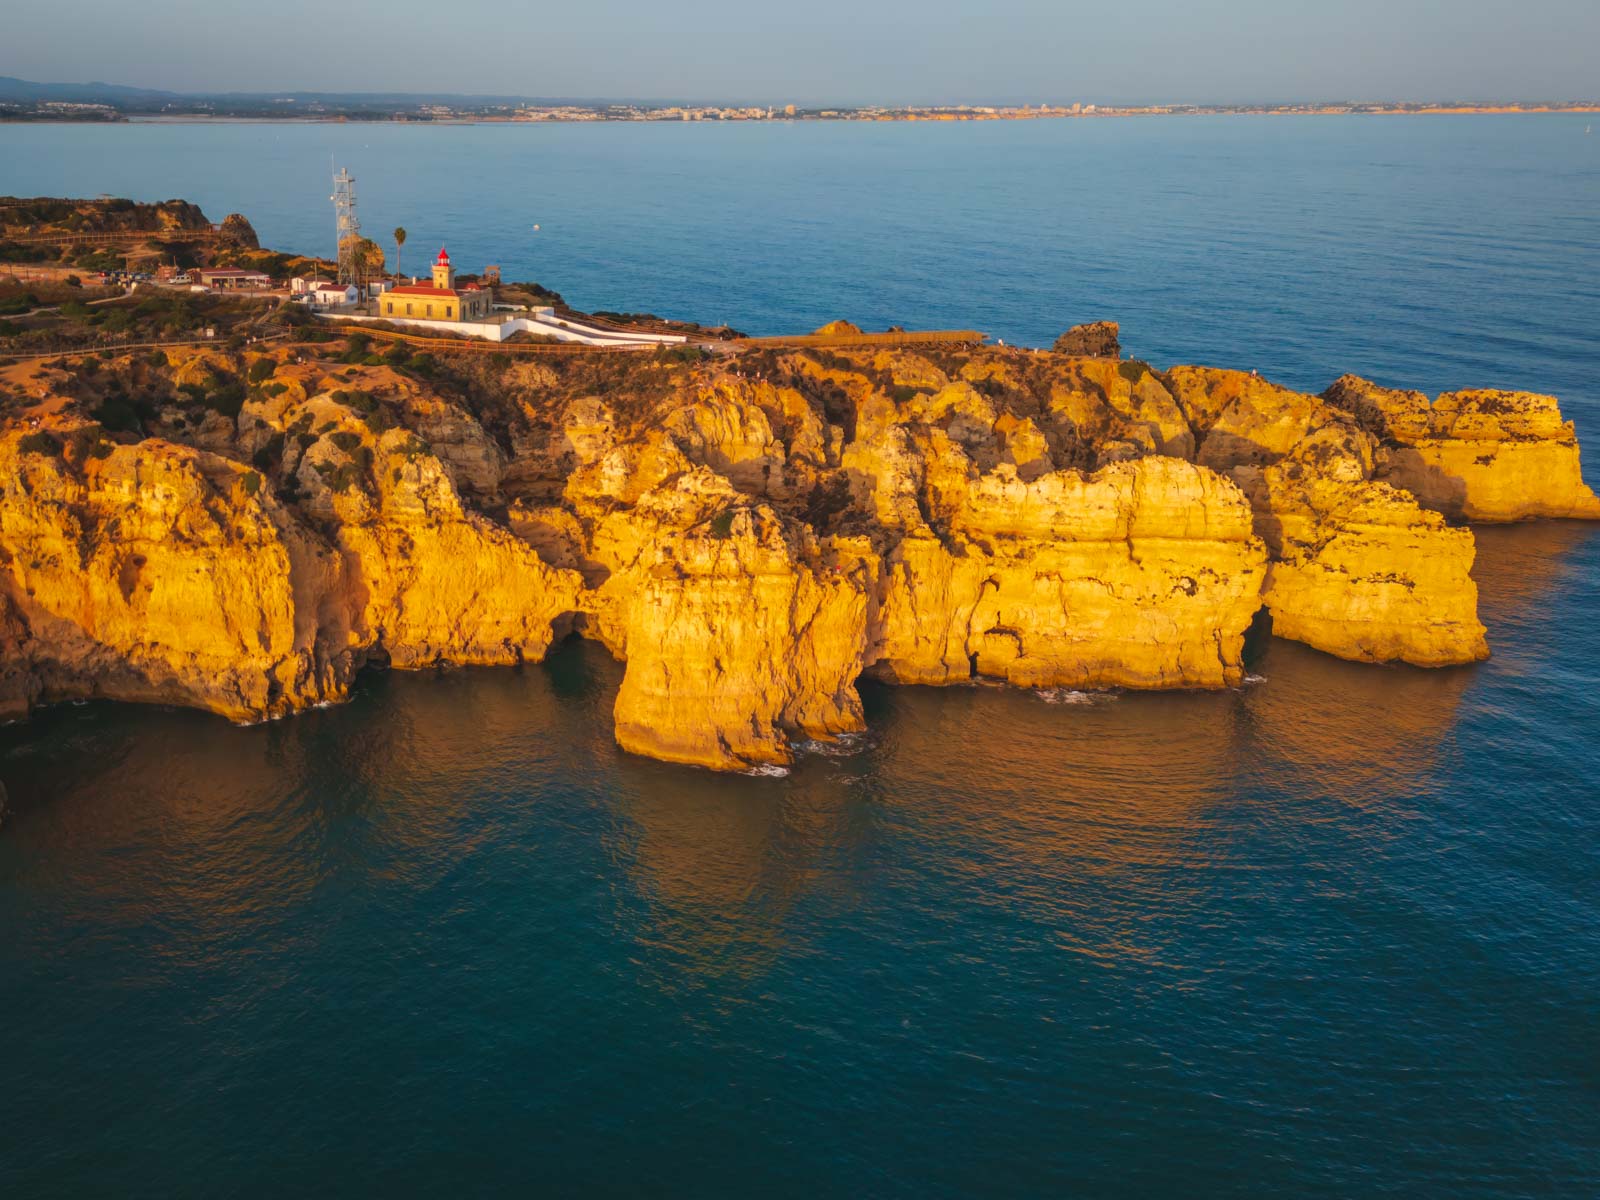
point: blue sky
(843, 51)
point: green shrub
(722, 524)
(226, 399)
(341, 478)
(251, 483)
(346, 440)
(119, 414)
(681, 354)
(40, 443)
(268, 454)
(1133, 370)
(261, 370)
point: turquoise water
(1335, 934)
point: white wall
(540, 323)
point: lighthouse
(441, 300)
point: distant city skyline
(831, 51)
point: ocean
(1335, 933)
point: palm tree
(399, 241)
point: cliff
(1475, 455)
(749, 535)
(48, 215)
(1359, 568)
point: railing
(666, 327)
(120, 347)
(845, 341)
(114, 237)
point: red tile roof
(420, 289)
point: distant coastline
(345, 119)
(94, 103)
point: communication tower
(347, 229)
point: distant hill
(25, 91)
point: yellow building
(440, 301)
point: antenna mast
(347, 229)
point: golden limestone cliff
(156, 572)
(1359, 568)
(161, 571)
(243, 532)
(1476, 455)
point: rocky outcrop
(237, 231)
(838, 329)
(1144, 574)
(1359, 568)
(42, 215)
(165, 572)
(748, 562)
(158, 572)
(1474, 455)
(750, 536)
(1099, 339)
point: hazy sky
(825, 50)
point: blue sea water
(1334, 934)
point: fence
(847, 341)
(114, 238)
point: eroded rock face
(1144, 574)
(1475, 455)
(236, 230)
(1098, 339)
(154, 572)
(1359, 568)
(916, 547)
(749, 536)
(166, 572)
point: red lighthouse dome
(444, 258)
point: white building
(331, 295)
